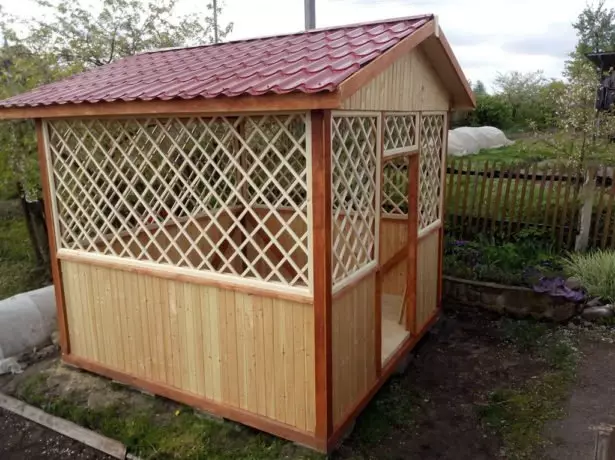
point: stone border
(513, 300)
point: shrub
(596, 272)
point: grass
(18, 268)
(528, 150)
(519, 415)
(160, 429)
(596, 271)
(393, 409)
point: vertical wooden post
(321, 269)
(445, 128)
(50, 218)
(413, 233)
(585, 218)
(379, 274)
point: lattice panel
(204, 193)
(353, 175)
(394, 198)
(400, 133)
(430, 169)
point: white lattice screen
(354, 157)
(430, 168)
(400, 133)
(394, 198)
(225, 194)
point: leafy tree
(491, 110)
(595, 28)
(581, 130)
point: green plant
(596, 272)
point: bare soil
(22, 439)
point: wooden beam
(213, 106)
(359, 79)
(56, 273)
(321, 267)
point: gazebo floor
(393, 333)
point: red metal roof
(307, 62)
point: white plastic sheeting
(466, 140)
(27, 320)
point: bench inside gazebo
(253, 228)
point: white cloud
(488, 36)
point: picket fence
(571, 205)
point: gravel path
(21, 439)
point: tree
(595, 28)
(581, 130)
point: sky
(487, 36)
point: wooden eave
(218, 105)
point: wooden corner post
(321, 268)
(50, 218)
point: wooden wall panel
(410, 83)
(246, 351)
(393, 237)
(427, 278)
(395, 280)
(353, 346)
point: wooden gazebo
(252, 228)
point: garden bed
(516, 301)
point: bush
(596, 272)
(491, 110)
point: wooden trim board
(64, 427)
(56, 273)
(412, 245)
(217, 105)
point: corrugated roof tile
(306, 62)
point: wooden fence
(572, 206)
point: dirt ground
(455, 367)
(22, 439)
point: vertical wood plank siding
(410, 83)
(353, 346)
(247, 351)
(427, 278)
(393, 237)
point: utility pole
(216, 38)
(310, 14)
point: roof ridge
(291, 34)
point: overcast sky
(488, 36)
